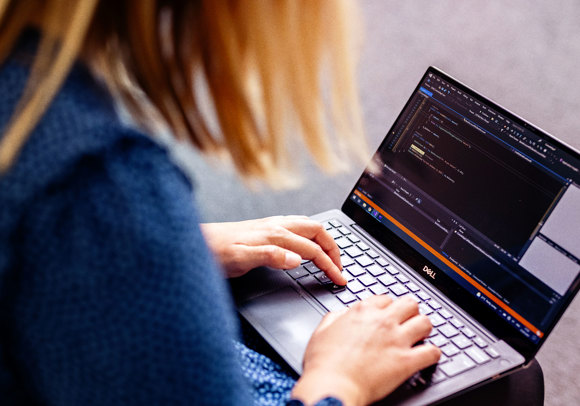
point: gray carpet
(523, 54)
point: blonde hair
(270, 69)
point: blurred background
(523, 54)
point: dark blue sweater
(108, 294)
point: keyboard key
(323, 295)
(375, 270)
(434, 305)
(334, 233)
(336, 288)
(353, 251)
(382, 262)
(468, 332)
(456, 322)
(363, 246)
(364, 294)
(310, 267)
(450, 350)
(353, 238)
(461, 341)
(446, 314)
(323, 278)
(355, 286)
(343, 243)
(348, 276)
(402, 278)
(477, 355)
(343, 230)
(297, 273)
(364, 261)
(367, 280)
(448, 330)
(412, 286)
(372, 254)
(310, 284)
(416, 381)
(345, 260)
(437, 376)
(346, 297)
(492, 352)
(335, 223)
(356, 270)
(479, 342)
(438, 340)
(424, 296)
(379, 289)
(392, 270)
(436, 320)
(457, 365)
(398, 289)
(330, 302)
(387, 280)
(424, 309)
(327, 226)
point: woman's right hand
(361, 355)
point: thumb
(330, 318)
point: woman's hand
(362, 354)
(278, 242)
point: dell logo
(429, 271)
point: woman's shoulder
(80, 137)
(80, 122)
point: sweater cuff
(329, 401)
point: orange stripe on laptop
(469, 279)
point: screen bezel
(444, 283)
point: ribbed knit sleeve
(114, 298)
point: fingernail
(292, 260)
(343, 279)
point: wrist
(314, 386)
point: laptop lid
(482, 204)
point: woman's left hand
(277, 242)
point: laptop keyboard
(368, 274)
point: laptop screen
(490, 201)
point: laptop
(466, 207)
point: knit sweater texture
(108, 293)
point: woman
(109, 292)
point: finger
(327, 243)
(416, 328)
(290, 217)
(249, 257)
(333, 273)
(326, 254)
(308, 249)
(422, 356)
(314, 231)
(403, 309)
(330, 318)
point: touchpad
(284, 319)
